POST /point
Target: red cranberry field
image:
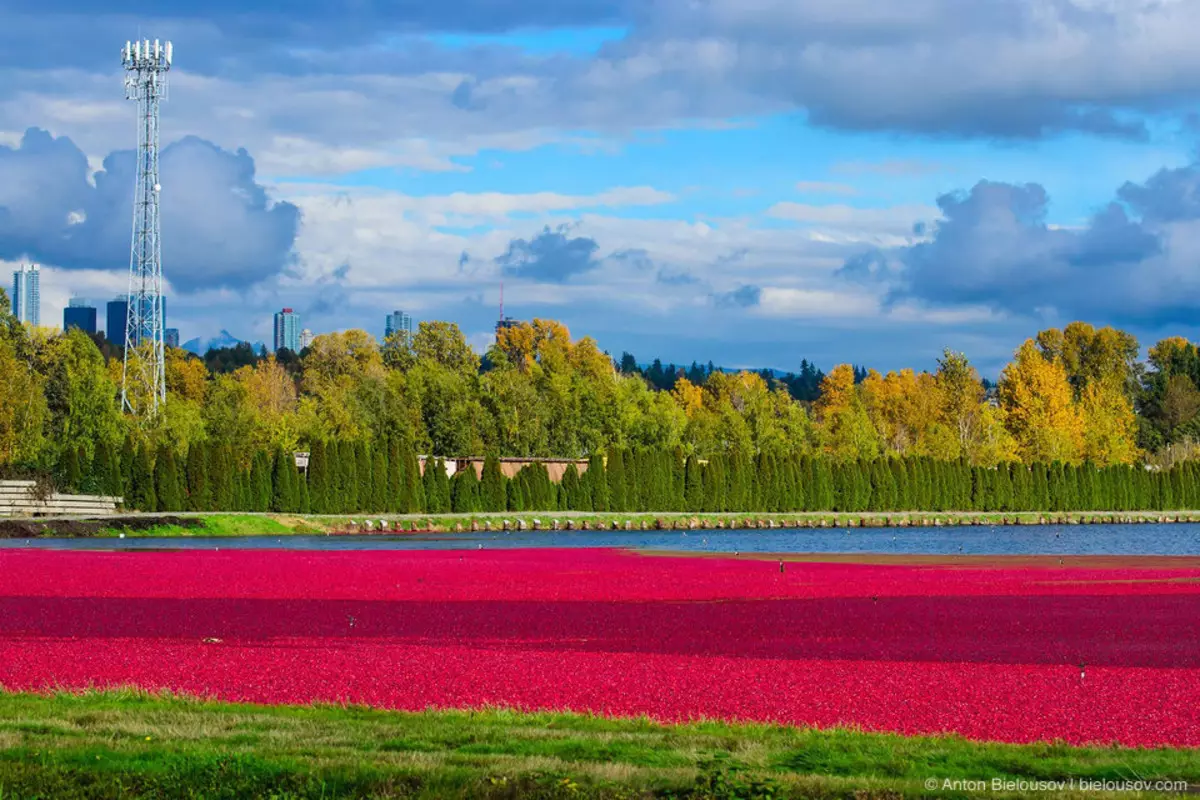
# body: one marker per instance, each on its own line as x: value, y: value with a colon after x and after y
x: 1090, y: 651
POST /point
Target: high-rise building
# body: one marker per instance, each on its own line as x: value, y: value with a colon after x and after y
x: 398, y: 322
x: 116, y: 314
x: 27, y: 294
x: 306, y: 338
x: 171, y: 337
x: 79, y: 314
x: 287, y: 330
x: 116, y: 317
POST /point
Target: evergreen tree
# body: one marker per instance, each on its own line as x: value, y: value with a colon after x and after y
x: 69, y: 470
x: 675, y: 489
x: 379, y: 480
x: 464, y: 491
x: 571, y: 488
x: 693, y: 492
x: 364, y: 479
x: 394, y: 485
x: 714, y: 485
x: 303, y: 504
x: 259, y: 489
x: 597, y: 483
x: 823, y: 488
x: 108, y: 471
x: 414, y: 485
x: 492, y: 493
x: 128, y: 456
x: 615, y: 470
x: 318, y: 477
x: 429, y: 484
x: 223, y: 476
x: 346, y: 471
x: 903, y: 497
x: 166, y: 481
x: 442, y: 482
x: 141, y: 495
x: 515, y: 500
x: 199, y: 492
x: 283, y: 489
x: 242, y: 493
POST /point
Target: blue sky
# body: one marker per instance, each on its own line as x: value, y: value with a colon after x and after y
x: 750, y: 184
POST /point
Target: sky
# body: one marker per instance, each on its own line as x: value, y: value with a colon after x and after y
x: 748, y: 182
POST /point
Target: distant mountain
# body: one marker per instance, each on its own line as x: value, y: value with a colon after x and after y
x: 223, y: 339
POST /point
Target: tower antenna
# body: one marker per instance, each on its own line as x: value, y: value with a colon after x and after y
x: 502, y: 299
x: 143, y: 375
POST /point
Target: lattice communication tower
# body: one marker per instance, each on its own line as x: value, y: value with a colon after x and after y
x: 144, y: 382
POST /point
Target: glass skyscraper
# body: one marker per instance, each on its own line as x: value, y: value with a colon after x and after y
x: 80, y: 314
x: 27, y: 294
x: 115, y: 314
x: 398, y: 322
x: 287, y: 330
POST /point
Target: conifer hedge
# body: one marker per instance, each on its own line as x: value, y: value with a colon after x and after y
x: 347, y: 478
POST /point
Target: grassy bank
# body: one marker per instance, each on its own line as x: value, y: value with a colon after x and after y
x: 131, y: 745
x: 245, y: 524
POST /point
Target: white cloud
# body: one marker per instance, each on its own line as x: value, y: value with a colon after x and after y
x: 816, y: 303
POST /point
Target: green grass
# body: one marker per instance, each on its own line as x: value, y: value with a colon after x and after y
x: 238, y: 524
x: 223, y: 525
x: 132, y: 745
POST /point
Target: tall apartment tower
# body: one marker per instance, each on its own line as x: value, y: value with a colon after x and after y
x: 398, y: 322
x: 287, y: 330
x: 27, y: 294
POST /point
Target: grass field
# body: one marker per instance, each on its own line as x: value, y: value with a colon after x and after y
x: 133, y: 745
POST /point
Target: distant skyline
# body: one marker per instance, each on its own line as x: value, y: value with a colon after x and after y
x: 747, y: 183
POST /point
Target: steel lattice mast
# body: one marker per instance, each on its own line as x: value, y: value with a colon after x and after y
x: 143, y: 383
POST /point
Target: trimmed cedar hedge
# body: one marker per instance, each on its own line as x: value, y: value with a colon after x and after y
x: 354, y: 477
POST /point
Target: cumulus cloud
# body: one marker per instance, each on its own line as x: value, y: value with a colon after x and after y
x: 219, y: 226
x: 550, y: 257
x: 1131, y: 263
x: 368, y: 76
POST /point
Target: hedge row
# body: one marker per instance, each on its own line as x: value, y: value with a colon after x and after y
x: 353, y: 477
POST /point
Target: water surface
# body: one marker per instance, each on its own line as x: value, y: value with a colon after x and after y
x: 1178, y: 539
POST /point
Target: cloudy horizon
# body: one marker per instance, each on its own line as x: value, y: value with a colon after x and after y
x: 748, y: 183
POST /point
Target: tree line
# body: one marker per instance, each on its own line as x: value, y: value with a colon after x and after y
x: 1078, y: 396
x: 344, y: 477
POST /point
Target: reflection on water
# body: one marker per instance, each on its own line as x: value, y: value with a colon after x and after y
x: 1170, y: 539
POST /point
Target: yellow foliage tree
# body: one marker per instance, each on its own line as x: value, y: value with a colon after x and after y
x: 844, y: 428
x: 1039, y: 410
x: 1110, y: 426
x: 187, y: 377
x: 905, y: 407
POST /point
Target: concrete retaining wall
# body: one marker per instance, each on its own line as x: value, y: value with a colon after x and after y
x: 19, y: 499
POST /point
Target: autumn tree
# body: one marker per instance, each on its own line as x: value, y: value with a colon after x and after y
x: 845, y: 428
x: 1039, y: 409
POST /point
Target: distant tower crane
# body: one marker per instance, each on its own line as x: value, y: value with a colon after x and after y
x: 143, y: 379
